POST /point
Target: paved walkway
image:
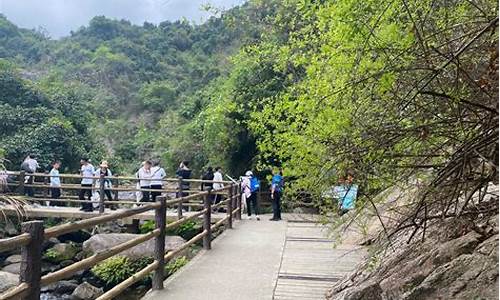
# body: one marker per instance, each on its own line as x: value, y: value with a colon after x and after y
x: 262, y: 260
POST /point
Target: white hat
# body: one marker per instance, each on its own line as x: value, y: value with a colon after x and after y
x: 249, y: 173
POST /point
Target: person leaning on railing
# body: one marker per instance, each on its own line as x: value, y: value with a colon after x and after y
x: 106, y: 172
x: 55, y: 184
x: 157, y: 175
x: 144, y: 175
x: 87, y: 172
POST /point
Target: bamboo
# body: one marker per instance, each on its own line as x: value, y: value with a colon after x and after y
x: 16, y: 292
x: 15, y: 242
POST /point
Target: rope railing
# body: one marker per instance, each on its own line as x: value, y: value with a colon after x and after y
x: 34, y: 234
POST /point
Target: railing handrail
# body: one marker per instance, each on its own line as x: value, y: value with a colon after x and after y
x: 30, y: 286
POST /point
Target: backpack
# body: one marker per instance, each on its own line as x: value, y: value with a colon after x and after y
x: 254, y: 184
x: 25, y: 166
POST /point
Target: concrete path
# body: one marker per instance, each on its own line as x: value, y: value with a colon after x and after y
x: 261, y: 260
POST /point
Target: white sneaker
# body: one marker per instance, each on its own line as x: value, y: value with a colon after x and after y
x: 249, y: 217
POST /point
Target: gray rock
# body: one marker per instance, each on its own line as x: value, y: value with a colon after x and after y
x: 16, y: 258
x: 489, y: 247
x: 13, y: 268
x: 367, y: 291
x: 456, y: 247
x: 101, y: 242
x: 8, y: 280
x: 86, y: 291
x: 61, y: 287
x: 66, y: 263
x: 61, y: 251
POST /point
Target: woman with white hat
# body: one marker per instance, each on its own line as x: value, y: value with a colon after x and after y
x: 250, y: 194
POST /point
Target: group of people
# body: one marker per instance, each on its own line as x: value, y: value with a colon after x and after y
x: 150, y: 177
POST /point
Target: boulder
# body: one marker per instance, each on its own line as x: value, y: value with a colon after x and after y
x: 79, y: 236
x: 8, y: 280
x: 16, y: 258
x: 60, y: 252
x: 61, y: 287
x: 13, y: 268
x: 104, y: 241
x: 367, y: 291
x: 86, y: 291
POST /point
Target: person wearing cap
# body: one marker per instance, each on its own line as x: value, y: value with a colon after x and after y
x: 250, y: 196
x: 106, y: 172
x: 87, y: 172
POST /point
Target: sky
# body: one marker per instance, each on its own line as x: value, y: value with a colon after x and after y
x: 59, y: 17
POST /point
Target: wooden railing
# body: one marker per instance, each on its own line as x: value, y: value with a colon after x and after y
x: 33, y: 234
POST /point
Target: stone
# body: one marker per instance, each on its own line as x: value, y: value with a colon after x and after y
x: 66, y: 263
x: 79, y: 236
x: 86, y: 291
x: 8, y: 280
x: 367, y: 291
x: 489, y: 247
x: 456, y: 247
x: 104, y: 241
x: 61, y: 287
x: 49, y: 243
x: 60, y: 252
x: 16, y: 258
x: 13, y: 268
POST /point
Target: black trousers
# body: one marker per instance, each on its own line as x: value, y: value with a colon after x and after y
x: 145, y: 194
x: 252, y: 202
x: 55, y: 193
x: 155, y: 194
x: 81, y: 196
x: 276, y: 203
x: 29, y: 191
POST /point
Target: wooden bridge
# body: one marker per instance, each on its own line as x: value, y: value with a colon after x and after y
x: 256, y: 260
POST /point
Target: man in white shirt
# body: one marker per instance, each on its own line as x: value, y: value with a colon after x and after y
x: 144, y: 176
x: 55, y: 183
x: 87, y: 172
x: 157, y: 175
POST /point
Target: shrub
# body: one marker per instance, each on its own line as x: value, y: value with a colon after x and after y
x: 174, y: 265
x: 147, y: 226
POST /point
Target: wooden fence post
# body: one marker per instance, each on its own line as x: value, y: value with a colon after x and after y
x: 101, y: 194
x: 31, y: 259
x: 21, y: 182
x: 207, y: 239
x: 45, y: 183
x: 161, y: 222
x: 179, y: 206
x: 230, y: 207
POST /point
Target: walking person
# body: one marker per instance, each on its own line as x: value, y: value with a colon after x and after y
x: 218, y: 185
x: 104, y: 171
x: 276, y: 191
x: 157, y: 175
x: 250, y: 186
x: 87, y: 171
x: 185, y: 173
x: 144, y: 176
x: 29, y: 166
x: 55, y: 184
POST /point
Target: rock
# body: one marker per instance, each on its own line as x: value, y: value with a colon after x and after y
x: 79, y: 236
x: 456, y: 247
x: 16, y: 258
x: 100, y: 242
x: 61, y: 287
x: 11, y: 229
x: 489, y: 247
x: 13, y: 268
x: 8, y: 280
x: 49, y: 243
x: 60, y: 252
x: 368, y: 291
x: 66, y: 263
x: 86, y: 291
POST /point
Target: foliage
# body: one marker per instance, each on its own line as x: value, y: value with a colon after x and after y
x: 174, y: 265
x: 116, y: 269
x: 147, y: 226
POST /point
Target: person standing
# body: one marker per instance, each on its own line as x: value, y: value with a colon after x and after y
x: 157, y: 175
x: 185, y: 173
x: 104, y: 171
x: 207, y: 184
x: 276, y: 191
x: 218, y: 185
x: 250, y: 186
x: 55, y: 183
x: 29, y: 166
x: 144, y: 176
x: 87, y: 172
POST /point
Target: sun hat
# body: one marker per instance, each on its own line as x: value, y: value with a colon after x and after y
x: 104, y: 164
x: 249, y: 173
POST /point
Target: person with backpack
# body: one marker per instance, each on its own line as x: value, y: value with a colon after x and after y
x: 276, y: 191
x: 251, y: 186
x: 29, y: 166
x: 87, y: 172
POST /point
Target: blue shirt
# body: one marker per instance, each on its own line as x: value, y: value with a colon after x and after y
x: 346, y: 195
